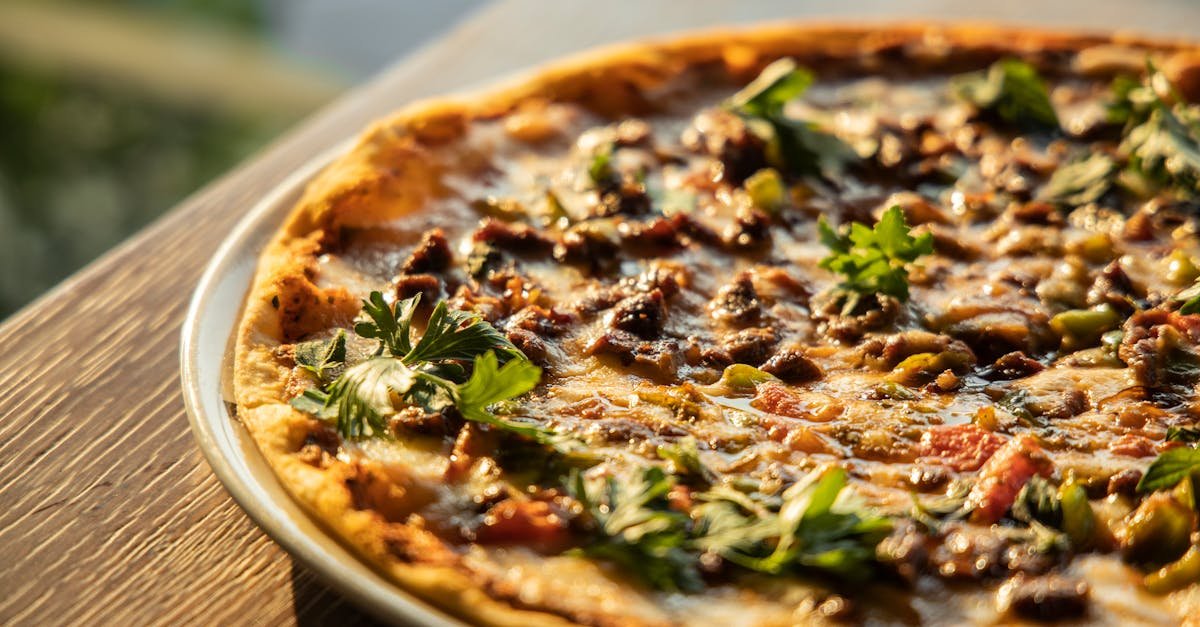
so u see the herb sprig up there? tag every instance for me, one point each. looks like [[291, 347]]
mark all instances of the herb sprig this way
[[1161, 135], [795, 146], [874, 260], [1013, 90], [811, 528], [1080, 182], [430, 373]]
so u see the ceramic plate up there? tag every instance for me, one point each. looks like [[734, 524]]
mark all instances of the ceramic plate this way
[[211, 318]]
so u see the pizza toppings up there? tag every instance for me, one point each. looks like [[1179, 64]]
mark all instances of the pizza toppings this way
[[669, 362]]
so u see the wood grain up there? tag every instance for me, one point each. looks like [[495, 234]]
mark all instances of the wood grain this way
[[108, 513]]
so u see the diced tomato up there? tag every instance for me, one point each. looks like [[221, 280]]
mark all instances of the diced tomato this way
[[1003, 476], [961, 447], [1189, 324], [531, 523], [1132, 446], [778, 399]]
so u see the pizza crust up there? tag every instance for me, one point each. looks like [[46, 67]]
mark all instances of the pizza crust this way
[[392, 171]]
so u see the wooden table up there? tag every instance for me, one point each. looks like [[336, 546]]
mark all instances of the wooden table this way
[[108, 512]]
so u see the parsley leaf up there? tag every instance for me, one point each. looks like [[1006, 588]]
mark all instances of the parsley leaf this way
[[450, 335], [388, 324], [810, 528], [1080, 182], [1190, 435], [684, 459], [430, 374], [813, 533], [638, 530], [1013, 90], [793, 145], [778, 84], [490, 384], [321, 356], [361, 398], [1161, 136], [455, 335], [1038, 501], [1169, 468], [874, 260]]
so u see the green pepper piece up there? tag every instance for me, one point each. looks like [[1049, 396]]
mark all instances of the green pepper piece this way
[[1158, 531], [923, 367], [766, 190], [1078, 519], [1081, 328], [1185, 492], [896, 391], [1177, 574], [741, 376]]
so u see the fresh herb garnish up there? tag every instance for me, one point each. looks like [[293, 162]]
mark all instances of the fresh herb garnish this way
[[1161, 136], [491, 383], [795, 146], [1080, 182], [684, 458], [600, 168], [1017, 402], [809, 528], [1187, 435], [637, 529], [388, 324], [1038, 501], [322, 356], [457, 335], [430, 374], [874, 260], [1013, 90], [1169, 468], [813, 532]]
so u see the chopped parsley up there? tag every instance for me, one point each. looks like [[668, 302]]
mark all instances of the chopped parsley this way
[[1013, 91], [874, 260]]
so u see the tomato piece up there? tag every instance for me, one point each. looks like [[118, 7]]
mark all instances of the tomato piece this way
[[532, 523], [778, 399], [1132, 446], [961, 447], [1189, 324], [1003, 476]]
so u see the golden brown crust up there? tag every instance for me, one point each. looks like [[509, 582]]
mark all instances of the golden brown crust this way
[[388, 173]]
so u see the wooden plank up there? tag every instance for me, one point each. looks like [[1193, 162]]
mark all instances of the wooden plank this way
[[108, 513]]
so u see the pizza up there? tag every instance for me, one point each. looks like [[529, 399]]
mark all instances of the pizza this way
[[790, 325]]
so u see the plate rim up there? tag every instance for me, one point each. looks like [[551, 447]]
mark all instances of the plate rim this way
[[378, 596]]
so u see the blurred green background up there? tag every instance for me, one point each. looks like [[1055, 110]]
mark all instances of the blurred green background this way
[[112, 111]]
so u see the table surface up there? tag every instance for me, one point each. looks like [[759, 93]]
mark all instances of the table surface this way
[[108, 512]]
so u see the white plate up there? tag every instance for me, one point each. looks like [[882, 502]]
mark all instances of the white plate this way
[[211, 318]]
